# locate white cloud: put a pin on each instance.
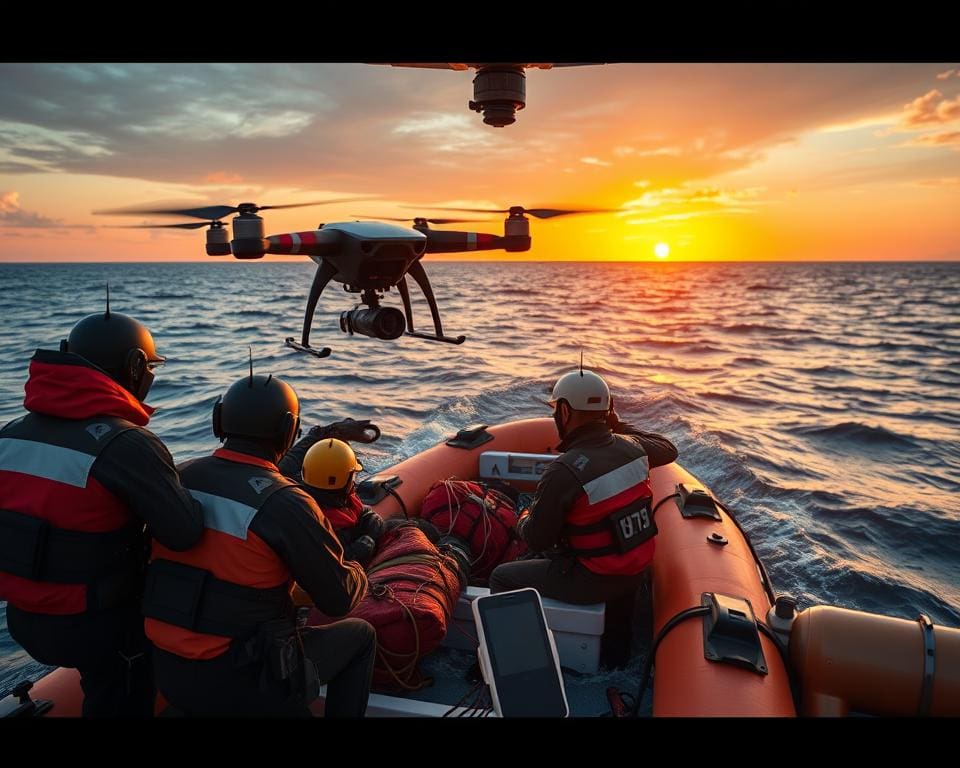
(595, 161)
(201, 121)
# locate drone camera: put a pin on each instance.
(377, 322)
(498, 93)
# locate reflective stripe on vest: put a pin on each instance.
(617, 481)
(51, 462)
(63, 532)
(225, 515)
(232, 491)
(609, 528)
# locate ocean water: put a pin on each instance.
(820, 401)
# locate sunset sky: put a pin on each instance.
(713, 161)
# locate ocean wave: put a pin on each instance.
(859, 433)
(819, 402)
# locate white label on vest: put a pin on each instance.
(98, 430)
(260, 484)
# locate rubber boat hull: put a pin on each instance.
(687, 563)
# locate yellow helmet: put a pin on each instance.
(329, 464)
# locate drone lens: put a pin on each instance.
(378, 323)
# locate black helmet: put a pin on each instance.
(119, 345)
(260, 408)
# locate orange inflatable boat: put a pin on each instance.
(721, 649)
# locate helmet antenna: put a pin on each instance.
(581, 360)
(107, 315)
(250, 350)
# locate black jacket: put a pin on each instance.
(559, 486)
(293, 526)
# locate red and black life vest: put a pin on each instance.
(67, 544)
(196, 602)
(345, 516)
(611, 529)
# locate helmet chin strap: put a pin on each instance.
(142, 387)
(558, 420)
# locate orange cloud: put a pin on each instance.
(223, 177)
(948, 139)
(932, 107)
(12, 213)
(943, 181)
(945, 75)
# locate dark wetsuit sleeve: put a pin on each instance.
(137, 467)
(294, 527)
(552, 503)
(292, 461)
(659, 450)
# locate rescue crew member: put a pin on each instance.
(326, 465)
(591, 511)
(79, 476)
(220, 615)
(329, 470)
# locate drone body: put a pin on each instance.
(367, 257)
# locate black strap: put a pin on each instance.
(609, 549)
(195, 599)
(33, 549)
(929, 664)
(662, 501)
(610, 524)
(399, 499)
(580, 530)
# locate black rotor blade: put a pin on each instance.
(210, 212)
(455, 221)
(539, 213)
(549, 213)
(432, 221)
(188, 225)
(315, 202)
(465, 210)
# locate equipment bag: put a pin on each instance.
(485, 519)
(413, 589)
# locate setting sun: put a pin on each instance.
(662, 250)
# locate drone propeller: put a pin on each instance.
(187, 225)
(539, 213)
(212, 212)
(418, 218)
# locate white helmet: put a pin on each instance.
(583, 390)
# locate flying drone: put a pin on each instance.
(367, 257)
(499, 90)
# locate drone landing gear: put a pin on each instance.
(322, 352)
(432, 337)
(324, 274)
(418, 273)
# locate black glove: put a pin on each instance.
(361, 550)
(612, 419)
(370, 524)
(348, 430)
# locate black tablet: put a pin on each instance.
(518, 655)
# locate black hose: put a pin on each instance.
(700, 610)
